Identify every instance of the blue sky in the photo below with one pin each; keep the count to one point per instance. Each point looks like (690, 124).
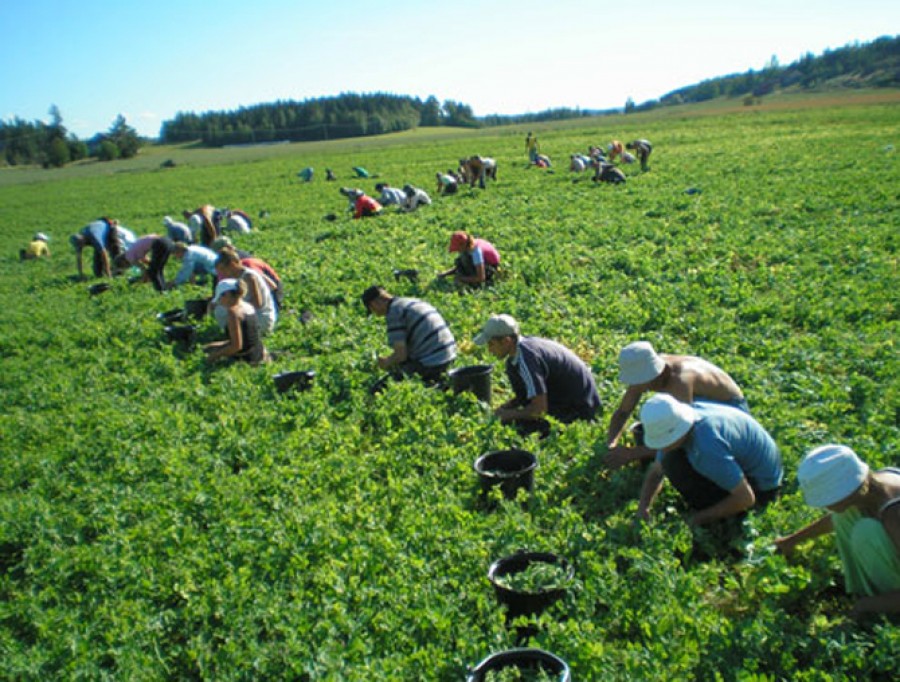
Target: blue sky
(96, 59)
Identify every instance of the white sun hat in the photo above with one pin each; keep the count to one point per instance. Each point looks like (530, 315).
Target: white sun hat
(639, 364)
(665, 420)
(829, 474)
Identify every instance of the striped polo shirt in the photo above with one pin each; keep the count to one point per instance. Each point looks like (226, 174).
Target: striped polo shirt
(427, 337)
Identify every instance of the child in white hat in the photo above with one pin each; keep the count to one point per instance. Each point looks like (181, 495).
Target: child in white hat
(864, 514)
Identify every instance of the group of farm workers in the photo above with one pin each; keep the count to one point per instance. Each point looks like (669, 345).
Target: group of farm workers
(247, 291)
(696, 428)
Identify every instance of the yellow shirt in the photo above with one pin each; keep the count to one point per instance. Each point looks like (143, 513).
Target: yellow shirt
(37, 248)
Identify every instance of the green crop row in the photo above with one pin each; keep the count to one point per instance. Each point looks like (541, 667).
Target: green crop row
(160, 519)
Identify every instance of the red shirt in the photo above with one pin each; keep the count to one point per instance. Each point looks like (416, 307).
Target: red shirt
(366, 204)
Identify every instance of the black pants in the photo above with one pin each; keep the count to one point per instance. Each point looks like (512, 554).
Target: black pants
(466, 268)
(700, 492)
(159, 255)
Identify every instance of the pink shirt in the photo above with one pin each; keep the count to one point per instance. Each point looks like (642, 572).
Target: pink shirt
(139, 250)
(491, 255)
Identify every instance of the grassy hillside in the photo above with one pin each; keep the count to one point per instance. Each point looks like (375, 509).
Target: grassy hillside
(163, 520)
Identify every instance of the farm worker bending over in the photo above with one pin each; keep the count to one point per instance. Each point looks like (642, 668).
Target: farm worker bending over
(478, 167)
(614, 149)
(37, 248)
(421, 340)
(415, 197)
(178, 232)
(720, 460)
(244, 341)
(258, 289)
(477, 262)
(864, 515)
(306, 174)
(447, 183)
(643, 149)
(360, 172)
(237, 221)
(195, 260)
(107, 238)
(607, 172)
(390, 196)
(362, 205)
(150, 254)
(546, 377)
(204, 223)
(684, 377)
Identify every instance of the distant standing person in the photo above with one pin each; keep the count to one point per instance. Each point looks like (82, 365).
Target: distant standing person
(643, 150)
(546, 377)
(37, 248)
(864, 515)
(420, 339)
(684, 377)
(532, 147)
(477, 262)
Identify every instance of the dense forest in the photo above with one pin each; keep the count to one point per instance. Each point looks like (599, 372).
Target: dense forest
(871, 65)
(50, 145)
(324, 118)
(874, 64)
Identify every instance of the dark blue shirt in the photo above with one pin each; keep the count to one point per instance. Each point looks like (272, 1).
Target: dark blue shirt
(541, 366)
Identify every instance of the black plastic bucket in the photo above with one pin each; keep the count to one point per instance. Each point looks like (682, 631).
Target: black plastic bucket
(510, 469)
(522, 659)
(475, 379)
(97, 289)
(196, 307)
(298, 381)
(522, 602)
(186, 335)
(172, 316)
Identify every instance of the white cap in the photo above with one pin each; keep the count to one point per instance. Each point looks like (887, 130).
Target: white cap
(223, 287)
(665, 420)
(497, 325)
(639, 364)
(41, 237)
(829, 474)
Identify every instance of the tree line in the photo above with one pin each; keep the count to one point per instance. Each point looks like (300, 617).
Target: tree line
(52, 146)
(875, 64)
(323, 118)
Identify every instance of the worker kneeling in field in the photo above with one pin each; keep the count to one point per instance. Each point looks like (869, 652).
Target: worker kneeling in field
(864, 515)
(718, 458)
(546, 377)
(37, 248)
(477, 262)
(418, 335)
(684, 377)
(244, 341)
(362, 205)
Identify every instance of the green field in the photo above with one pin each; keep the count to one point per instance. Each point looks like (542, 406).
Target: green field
(160, 519)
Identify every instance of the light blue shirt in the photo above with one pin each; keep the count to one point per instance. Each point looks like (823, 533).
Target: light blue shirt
(726, 444)
(197, 260)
